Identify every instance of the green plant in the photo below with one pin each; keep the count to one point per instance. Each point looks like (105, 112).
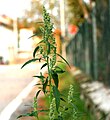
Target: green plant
(46, 51)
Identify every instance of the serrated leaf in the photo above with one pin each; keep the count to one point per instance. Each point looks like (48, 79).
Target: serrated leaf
(55, 78)
(35, 50)
(37, 93)
(63, 59)
(57, 97)
(45, 85)
(43, 65)
(29, 61)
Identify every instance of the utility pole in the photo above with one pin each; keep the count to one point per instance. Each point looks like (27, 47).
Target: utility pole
(62, 22)
(95, 64)
(62, 17)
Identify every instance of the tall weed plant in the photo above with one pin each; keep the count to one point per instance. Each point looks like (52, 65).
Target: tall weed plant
(46, 51)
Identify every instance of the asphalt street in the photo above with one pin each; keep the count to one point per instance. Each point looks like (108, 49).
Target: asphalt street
(13, 80)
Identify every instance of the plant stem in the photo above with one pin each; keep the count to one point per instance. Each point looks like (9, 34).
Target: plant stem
(49, 79)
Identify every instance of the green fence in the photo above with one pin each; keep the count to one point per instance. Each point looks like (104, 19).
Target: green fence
(90, 48)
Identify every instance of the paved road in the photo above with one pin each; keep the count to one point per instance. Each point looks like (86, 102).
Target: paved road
(13, 79)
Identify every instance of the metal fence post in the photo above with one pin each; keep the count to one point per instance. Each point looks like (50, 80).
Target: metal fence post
(95, 64)
(87, 39)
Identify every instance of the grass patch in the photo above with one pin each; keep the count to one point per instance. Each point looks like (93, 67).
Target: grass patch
(66, 79)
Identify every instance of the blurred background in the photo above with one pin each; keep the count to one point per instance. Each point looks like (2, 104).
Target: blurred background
(82, 34)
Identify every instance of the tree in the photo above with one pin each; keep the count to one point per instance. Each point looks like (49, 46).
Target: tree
(34, 14)
(77, 11)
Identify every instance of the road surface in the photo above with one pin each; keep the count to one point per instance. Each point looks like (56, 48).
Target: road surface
(13, 80)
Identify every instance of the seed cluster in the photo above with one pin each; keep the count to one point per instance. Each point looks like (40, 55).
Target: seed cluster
(52, 110)
(48, 48)
(70, 94)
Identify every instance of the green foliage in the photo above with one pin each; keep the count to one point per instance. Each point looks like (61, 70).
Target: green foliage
(63, 59)
(74, 11)
(55, 78)
(52, 110)
(34, 14)
(45, 51)
(66, 110)
(57, 97)
(29, 61)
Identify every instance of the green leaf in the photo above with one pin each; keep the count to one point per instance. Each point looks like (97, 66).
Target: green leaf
(63, 59)
(59, 70)
(57, 97)
(35, 50)
(41, 77)
(33, 113)
(37, 93)
(43, 65)
(45, 85)
(55, 78)
(32, 36)
(66, 108)
(57, 67)
(29, 61)
(40, 22)
(40, 59)
(40, 42)
(60, 61)
(44, 110)
(63, 99)
(37, 34)
(37, 84)
(60, 118)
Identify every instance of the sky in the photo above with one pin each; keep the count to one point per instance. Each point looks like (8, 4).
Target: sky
(13, 8)
(87, 1)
